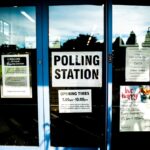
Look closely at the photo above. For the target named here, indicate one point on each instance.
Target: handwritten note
(137, 65)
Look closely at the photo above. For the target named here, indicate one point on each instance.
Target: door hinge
(110, 58)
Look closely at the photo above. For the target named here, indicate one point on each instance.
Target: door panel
(77, 75)
(18, 94)
(131, 51)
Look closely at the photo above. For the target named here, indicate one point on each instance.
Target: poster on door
(134, 108)
(75, 101)
(15, 76)
(137, 65)
(77, 69)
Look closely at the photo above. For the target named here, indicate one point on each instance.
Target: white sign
(75, 101)
(134, 108)
(77, 69)
(15, 76)
(137, 65)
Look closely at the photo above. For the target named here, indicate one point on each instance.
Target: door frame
(40, 84)
(108, 65)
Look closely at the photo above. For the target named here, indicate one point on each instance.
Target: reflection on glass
(19, 26)
(76, 45)
(18, 92)
(75, 22)
(125, 26)
(1, 26)
(6, 29)
(131, 71)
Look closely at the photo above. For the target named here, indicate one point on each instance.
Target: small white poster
(15, 76)
(137, 65)
(77, 69)
(135, 108)
(75, 101)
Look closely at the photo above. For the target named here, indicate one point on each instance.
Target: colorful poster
(75, 101)
(76, 69)
(15, 76)
(137, 65)
(134, 108)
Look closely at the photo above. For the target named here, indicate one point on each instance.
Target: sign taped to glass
(134, 108)
(75, 101)
(77, 69)
(15, 76)
(137, 65)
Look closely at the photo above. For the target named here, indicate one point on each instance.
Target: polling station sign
(77, 69)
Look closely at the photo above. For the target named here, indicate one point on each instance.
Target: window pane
(18, 93)
(76, 21)
(76, 54)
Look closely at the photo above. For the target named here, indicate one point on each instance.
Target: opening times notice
(75, 101)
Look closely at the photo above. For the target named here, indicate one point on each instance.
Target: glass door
(131, 65)
(76, 84)
(20, 121)
(77, 76)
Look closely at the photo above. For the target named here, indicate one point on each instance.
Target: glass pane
(131, 73)
(77, 95)
(18, 93)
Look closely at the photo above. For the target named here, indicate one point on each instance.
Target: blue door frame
(108, 41)
(43, 23)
